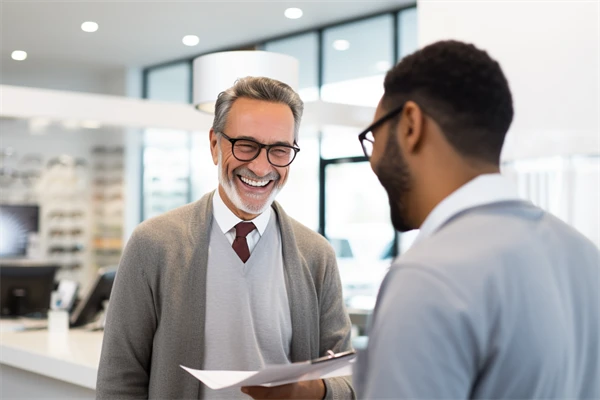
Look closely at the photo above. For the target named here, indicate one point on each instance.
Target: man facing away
(229, 282)
(496, 298)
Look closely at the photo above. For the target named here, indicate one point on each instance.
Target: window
(204, 173)
(340, 141)
(171, 83)
(357, 224)
(305, 48)
(166, 154)
(300, 196)
(407, 32)
(166, 159)
(356, 57)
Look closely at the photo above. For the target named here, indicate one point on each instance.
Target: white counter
(61, 365)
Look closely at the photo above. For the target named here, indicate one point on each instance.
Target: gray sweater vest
(248, 322)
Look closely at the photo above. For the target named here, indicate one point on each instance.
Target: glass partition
(356, 57)
(170, 83)
(166, 166)
(407, 32)
(359, 228)
(305, 48)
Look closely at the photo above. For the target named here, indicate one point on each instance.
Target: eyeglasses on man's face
(279, 155)
(366, 138)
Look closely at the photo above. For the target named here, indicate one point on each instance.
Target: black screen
(16, 222)
(25, 289)
(89, 307)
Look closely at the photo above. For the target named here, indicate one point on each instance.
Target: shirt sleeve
(421, 344)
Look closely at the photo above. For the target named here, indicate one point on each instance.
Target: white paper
(275, 375)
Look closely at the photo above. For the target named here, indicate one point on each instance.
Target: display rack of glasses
(63, 194)
(108, 204)
(19, 176)
(59, 188)
(80, 201)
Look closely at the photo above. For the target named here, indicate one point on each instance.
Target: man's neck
(445, 183)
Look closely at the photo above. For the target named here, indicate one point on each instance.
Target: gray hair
(258, 88)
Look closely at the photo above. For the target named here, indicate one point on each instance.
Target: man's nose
(260, 165)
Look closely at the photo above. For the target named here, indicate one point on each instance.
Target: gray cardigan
(156, 316)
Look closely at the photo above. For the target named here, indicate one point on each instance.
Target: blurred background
(98, 131)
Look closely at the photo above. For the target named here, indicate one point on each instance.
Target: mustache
(245, 172)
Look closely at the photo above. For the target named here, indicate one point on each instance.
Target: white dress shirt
(482, 190)
(227, 221)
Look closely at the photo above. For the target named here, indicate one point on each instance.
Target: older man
(229, 282)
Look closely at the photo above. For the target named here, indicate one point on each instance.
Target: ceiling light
(19, 55)
(293, 13)
(89, 26)
(190, 40)
(90, 124)
(383, 66)
(70, 124)
(341, 44)
(216, 72)
(37, 126)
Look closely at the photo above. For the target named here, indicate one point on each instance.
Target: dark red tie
(240, 244)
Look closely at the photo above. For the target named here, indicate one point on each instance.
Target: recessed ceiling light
(341, 44)
(293, 13)
(190, 40)
(70, 124)
(19, 55)
(89, 124)
(89, 26)
(37, 126)
(383, 66)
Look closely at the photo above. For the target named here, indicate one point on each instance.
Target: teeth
(254, 183)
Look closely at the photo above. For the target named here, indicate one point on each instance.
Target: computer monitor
(89, 307)
(26, 290)
(16, 223)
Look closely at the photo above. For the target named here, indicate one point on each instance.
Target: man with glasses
(229, 282)
(496, 298)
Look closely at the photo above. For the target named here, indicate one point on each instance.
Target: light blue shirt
(496, 299)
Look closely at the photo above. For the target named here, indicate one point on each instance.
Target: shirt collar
(226, 219)
(482, 190)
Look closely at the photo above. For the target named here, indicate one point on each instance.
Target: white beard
(233, 195)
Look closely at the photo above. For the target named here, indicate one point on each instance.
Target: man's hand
(313, 390)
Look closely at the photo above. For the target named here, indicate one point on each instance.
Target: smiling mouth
(254, 184)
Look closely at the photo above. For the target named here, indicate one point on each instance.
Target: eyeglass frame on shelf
(261, 146)
(363, 135)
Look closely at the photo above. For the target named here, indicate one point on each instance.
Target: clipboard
(329, 366)
(331, 355)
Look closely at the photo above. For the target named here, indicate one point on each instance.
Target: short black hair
(463, 89)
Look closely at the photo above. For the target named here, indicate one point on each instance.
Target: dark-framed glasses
(366, 138)
(279, 155)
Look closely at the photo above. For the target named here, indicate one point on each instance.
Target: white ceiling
(141, 33)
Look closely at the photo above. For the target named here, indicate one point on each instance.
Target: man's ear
(410, 129)
(214, 142)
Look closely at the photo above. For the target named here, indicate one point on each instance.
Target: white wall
(550, 53)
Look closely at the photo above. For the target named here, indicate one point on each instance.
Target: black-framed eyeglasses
(366, 138)
(279, 155)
